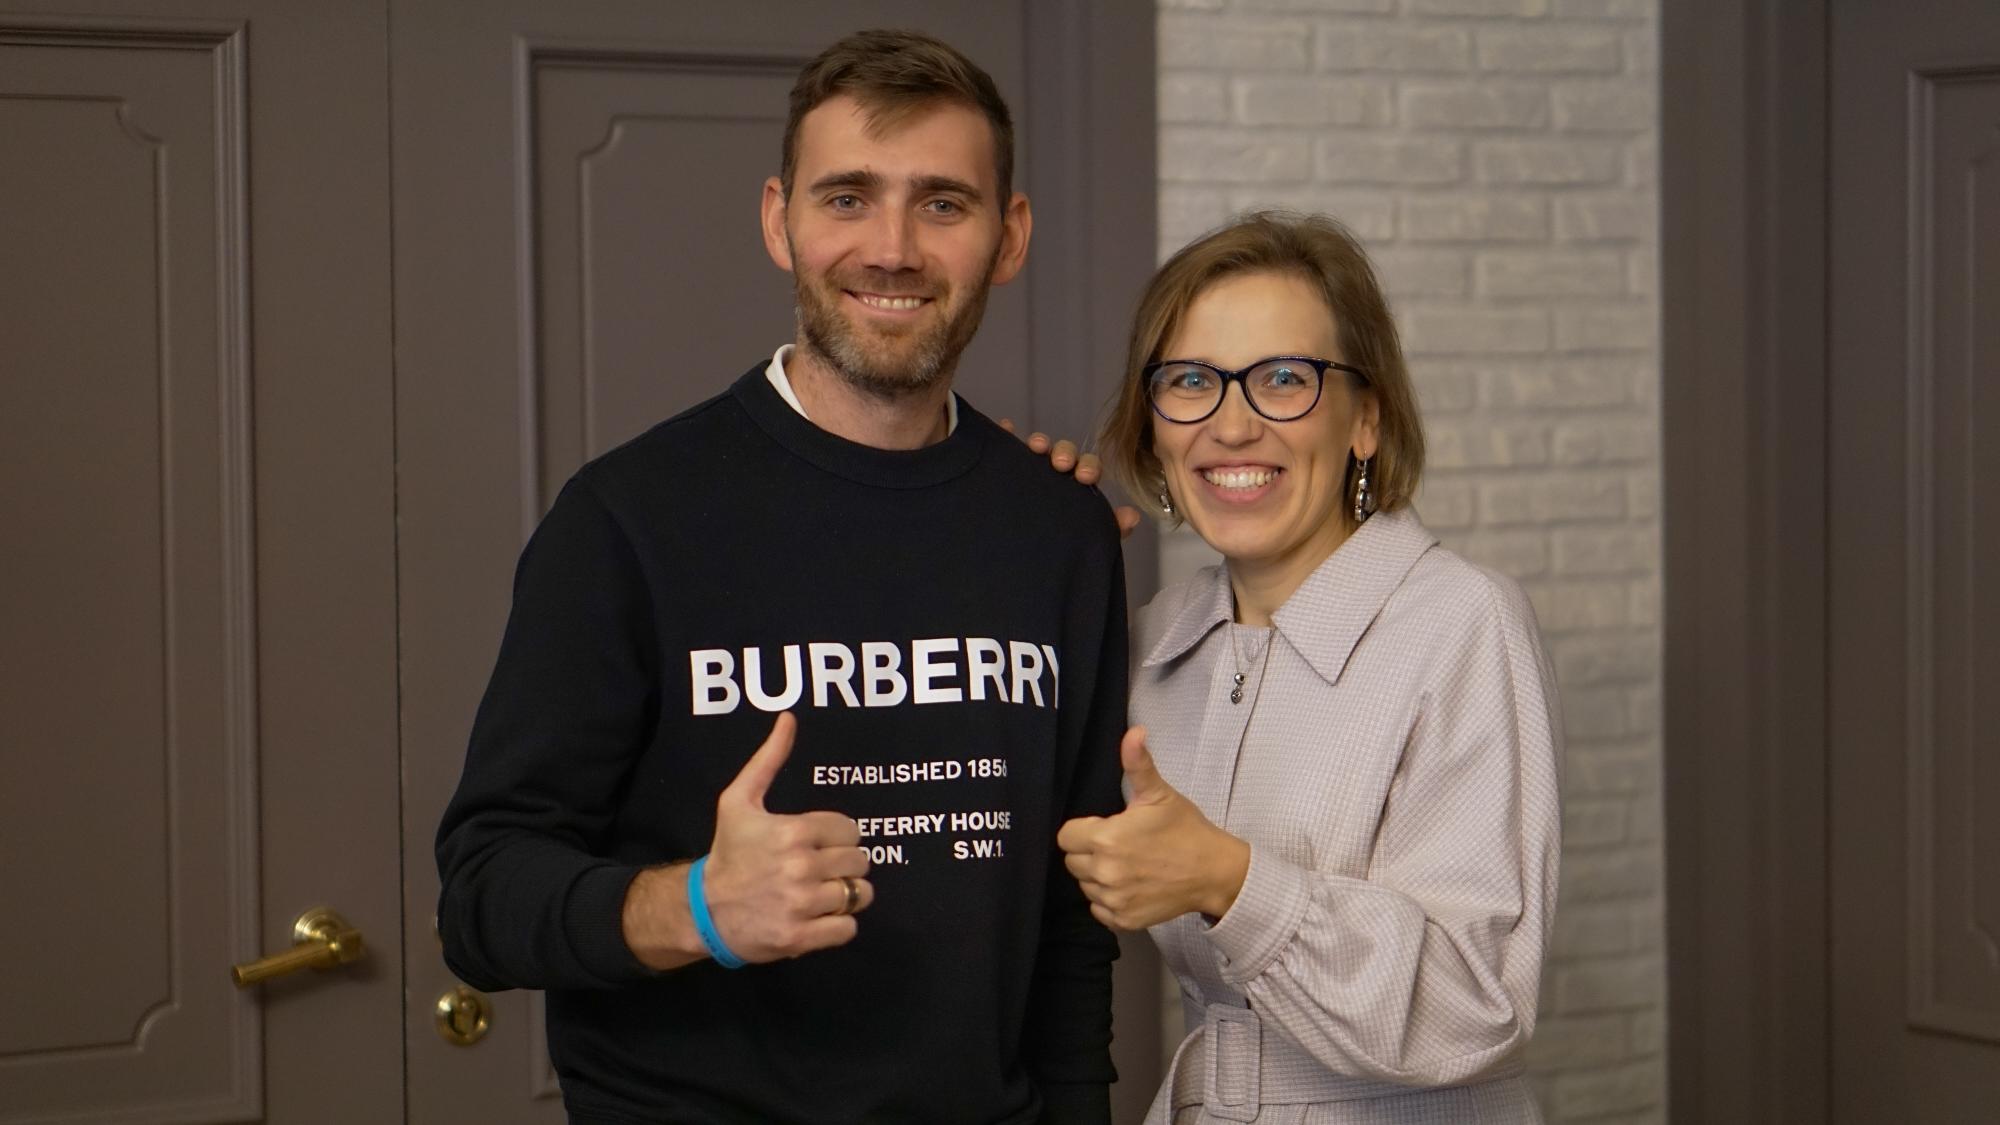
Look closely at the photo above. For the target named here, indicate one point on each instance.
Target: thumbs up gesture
(777, 885)
(1158, 859)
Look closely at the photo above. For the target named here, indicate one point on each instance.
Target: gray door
(209, 439)
(1914, 624)
(577, 258)
(197, 630)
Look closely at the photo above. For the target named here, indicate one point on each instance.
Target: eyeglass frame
(1320, 368)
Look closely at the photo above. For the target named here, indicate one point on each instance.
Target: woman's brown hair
(1322, 252)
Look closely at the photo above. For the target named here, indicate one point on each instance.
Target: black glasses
(1281, 388)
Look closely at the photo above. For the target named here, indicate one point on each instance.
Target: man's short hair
(895, 75)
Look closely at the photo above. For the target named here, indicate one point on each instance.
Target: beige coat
(1394, 765)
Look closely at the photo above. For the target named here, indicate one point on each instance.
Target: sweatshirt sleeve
(528, 899)
(1068, 1035)
(1426, 972)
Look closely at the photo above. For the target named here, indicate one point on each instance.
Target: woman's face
(1264, 493)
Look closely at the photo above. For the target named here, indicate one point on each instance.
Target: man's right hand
(774, 881)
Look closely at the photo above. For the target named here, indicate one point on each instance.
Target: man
(799, 686)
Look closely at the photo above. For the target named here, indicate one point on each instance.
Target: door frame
(1744, 89)
(1090, 222)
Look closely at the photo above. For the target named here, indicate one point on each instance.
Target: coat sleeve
(527, 898)
(1426, 971)
(1067, 1036)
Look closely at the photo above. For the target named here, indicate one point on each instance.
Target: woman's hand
(1064, 458)
(1159, 859)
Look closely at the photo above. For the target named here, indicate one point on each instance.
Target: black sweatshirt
(948, 624)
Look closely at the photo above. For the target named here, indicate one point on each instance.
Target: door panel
(197, 633)
(578, 258)
(641, 160)
(129, 651)
(1953, 837)
(1915, 850)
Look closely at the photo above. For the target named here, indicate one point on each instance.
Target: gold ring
(853, 895)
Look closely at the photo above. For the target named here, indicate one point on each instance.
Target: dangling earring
(1364, 496)
(1166, 498)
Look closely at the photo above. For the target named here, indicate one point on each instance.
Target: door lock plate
(463, 1016)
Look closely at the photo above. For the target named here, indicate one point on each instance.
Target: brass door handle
(321, 939)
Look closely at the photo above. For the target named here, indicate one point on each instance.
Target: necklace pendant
(1236, 695)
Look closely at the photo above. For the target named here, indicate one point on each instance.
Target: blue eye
(1282, 378)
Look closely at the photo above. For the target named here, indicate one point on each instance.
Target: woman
(1343, 821)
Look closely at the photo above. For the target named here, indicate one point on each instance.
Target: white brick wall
(1499, 159)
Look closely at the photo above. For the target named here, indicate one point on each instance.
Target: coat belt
(1235, 1066)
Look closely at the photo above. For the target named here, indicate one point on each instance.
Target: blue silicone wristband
(705, 925)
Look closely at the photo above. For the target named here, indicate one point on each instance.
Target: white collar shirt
(775, 372)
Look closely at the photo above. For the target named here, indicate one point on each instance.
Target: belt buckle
(1233, 1090)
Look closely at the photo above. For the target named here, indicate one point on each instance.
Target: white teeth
(873, 301)
(1240, 478)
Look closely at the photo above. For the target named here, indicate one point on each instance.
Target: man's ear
(773, 216)
(1017, 222)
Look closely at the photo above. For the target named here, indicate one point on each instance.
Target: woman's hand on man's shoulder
(1064, 457)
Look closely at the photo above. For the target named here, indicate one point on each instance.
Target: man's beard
(926, 356)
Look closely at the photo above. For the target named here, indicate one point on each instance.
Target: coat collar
(1325, 617)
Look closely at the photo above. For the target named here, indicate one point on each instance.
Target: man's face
(893, 241)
